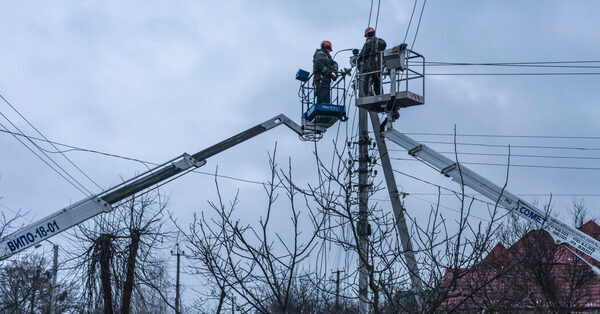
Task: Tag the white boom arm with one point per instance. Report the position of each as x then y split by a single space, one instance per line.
89 207
561 232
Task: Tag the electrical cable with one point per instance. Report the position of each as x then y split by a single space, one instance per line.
146 163
377 19
82 189
418 25
514 165
410 21
454 209
335 54
516 65
506 136
517 74
72 148
42 135
370 12
522 155
439 186
512 146
524 64
518 194
573 64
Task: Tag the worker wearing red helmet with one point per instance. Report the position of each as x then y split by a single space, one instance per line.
368 61
324 71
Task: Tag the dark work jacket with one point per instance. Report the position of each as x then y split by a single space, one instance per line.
368 58
323 66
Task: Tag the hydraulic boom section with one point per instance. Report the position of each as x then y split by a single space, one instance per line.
103 202
561 232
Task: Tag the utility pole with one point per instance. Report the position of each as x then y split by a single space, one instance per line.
337 289
363 207
177 253
401 225
54 275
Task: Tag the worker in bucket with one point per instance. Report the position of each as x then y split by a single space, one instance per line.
369 61
324 71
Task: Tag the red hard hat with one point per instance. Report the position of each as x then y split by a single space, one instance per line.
327 44
368 30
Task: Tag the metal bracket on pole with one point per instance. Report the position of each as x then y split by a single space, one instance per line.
411 261
187 161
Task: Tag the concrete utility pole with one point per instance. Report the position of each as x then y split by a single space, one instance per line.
398 208
177 253
54 275
363 208
337 289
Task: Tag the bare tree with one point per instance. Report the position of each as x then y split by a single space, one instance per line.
442 247
249 264
578 213
25 285
120 254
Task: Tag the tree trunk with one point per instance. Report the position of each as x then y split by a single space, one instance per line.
129 279
221 300
105 242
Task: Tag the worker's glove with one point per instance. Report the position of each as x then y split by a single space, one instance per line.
355 51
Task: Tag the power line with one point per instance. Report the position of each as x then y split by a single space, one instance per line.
456 193
370 13
75 148
82 189
524 155
572 64
517 74
377 18
519 194
410 21
517 65
512 146
558 64
513 165
506 136
452 209
42 135
439 186
418 25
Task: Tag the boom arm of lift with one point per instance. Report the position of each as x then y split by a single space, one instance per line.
560 232
89 207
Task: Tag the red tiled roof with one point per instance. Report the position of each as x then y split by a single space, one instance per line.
521 275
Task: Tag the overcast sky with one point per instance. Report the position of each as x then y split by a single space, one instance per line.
153 79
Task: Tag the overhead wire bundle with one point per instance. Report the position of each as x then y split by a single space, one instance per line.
42 153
